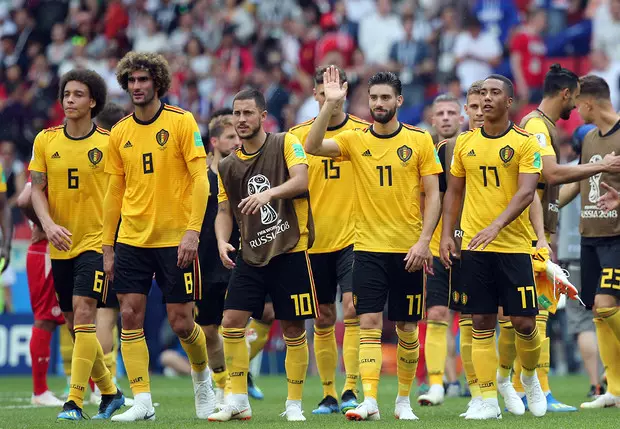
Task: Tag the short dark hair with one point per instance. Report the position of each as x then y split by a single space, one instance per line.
386 78
225 111
558 78
318 74
155 64
252 94
508 86
95 83
446 98
594 86
110 115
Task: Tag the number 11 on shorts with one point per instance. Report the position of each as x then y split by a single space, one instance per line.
412 299
524 290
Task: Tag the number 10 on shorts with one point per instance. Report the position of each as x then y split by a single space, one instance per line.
303 304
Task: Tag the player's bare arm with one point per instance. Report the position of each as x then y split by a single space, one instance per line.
334 94
223 229
59 236
6 224
519 202
538 223
188 248
24 202
420 255
610 200
568 193
452 203
556 174
296 185
112 203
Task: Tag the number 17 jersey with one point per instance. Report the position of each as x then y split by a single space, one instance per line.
387 170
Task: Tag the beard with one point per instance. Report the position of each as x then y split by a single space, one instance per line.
383 118
253 132
565 114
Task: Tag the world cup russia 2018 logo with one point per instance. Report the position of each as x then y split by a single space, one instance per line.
260 183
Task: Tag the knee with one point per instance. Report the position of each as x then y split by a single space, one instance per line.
131 316
45 325
484 321
234 319
524 325
407 326
327 316
293 329
181 323
438 313
603 301
269 315
349 309
371 321
211 333
84 311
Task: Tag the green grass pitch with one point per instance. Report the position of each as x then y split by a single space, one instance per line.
176 409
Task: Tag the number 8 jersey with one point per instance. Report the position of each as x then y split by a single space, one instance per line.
491 167
387 170
153 157
76 184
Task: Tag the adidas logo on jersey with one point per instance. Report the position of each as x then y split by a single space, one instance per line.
367 153
128 144
471 153
56 155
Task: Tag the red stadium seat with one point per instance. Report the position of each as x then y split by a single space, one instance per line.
566 62
584 65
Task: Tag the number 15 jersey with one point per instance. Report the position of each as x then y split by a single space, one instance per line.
387 171
491 167
76 184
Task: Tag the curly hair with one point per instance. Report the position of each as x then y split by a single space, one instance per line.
95 83
155 64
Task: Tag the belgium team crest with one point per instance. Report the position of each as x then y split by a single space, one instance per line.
404 153
506 153
95 156
162 137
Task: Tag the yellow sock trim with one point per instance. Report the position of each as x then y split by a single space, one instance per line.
485 360
506 347
371 360
609 349
436 350
465 328
84 354
136 359
262 335
407 355
351 353
611 316
196 348
237 359
326 354
296 365
528 349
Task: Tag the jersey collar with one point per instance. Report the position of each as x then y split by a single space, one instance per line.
92 131
543 114
340 125
510 125
153 119
386 136
610 132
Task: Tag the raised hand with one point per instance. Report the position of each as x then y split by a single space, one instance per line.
334 91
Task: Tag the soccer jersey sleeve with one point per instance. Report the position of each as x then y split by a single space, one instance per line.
537 127
530 161
344 140
456 166
38 154
221 191
429 162
191 140
294 152
114 163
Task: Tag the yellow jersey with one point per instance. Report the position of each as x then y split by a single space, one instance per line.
153 157
539 129
332 191
387 171
76 184
294 154
491 166
3 187
441 151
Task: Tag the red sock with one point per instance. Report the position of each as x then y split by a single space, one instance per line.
40 355
91 383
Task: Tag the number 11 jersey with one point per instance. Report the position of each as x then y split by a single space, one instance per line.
387 171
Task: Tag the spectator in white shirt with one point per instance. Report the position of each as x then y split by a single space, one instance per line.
152 39
476 53
378 32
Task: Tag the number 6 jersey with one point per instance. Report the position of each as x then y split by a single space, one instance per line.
491 167
153 157
387 171
76 184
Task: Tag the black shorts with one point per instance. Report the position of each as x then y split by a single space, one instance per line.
210 308
491 278
287 278
111 300
600 268
79 276
438 285
331 270
134 268
458 299
380 277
